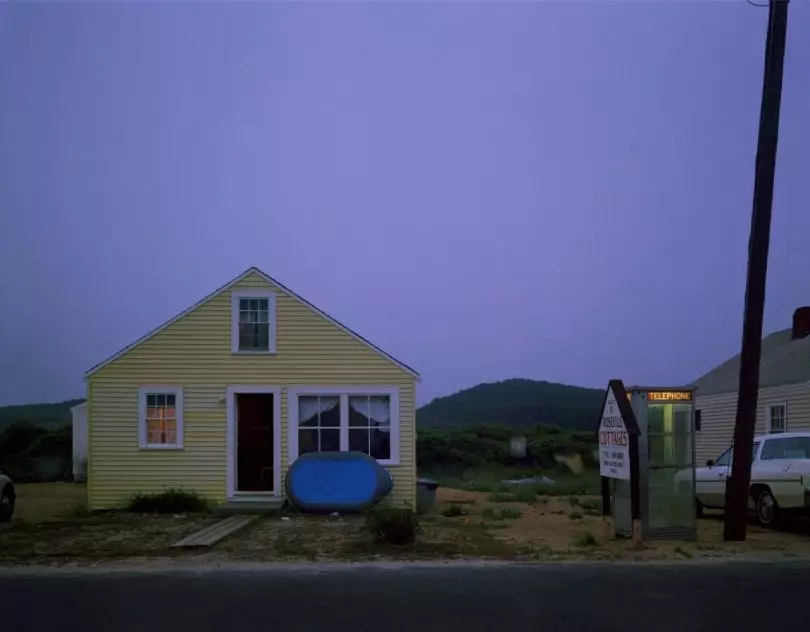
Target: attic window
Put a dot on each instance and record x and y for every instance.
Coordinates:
(253, 322)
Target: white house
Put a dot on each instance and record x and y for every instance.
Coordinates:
(784, 390)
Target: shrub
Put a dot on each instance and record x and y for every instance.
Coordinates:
(169, 501)
(507, 513)
(573, 501)
(393, 525)
(575, 515)
(591, 506)
(452, 511)
(584, 538)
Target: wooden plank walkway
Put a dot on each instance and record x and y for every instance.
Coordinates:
(214, 533)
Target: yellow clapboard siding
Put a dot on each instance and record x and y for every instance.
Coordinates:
(195, 354)
(719, 413)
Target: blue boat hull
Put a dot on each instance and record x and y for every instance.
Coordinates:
(346, 482)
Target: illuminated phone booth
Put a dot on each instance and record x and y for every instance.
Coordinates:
(666, 461)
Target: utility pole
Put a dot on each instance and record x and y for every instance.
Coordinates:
(740, 480)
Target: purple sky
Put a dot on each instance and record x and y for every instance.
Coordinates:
(556, 191)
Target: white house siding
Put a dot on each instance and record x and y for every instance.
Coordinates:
(719, 411)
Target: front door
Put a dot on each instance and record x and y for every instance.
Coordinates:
(254, 442)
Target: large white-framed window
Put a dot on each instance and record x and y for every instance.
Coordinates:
(253, 322)
(331, 419)
(160, 417)
(777, 418)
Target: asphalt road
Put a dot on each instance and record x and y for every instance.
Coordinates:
(491, 598)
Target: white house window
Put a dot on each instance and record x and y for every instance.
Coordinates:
(777, 418)
(160, 413)
(318, 423)
(329, 419)
(253, 322)
(370, 425)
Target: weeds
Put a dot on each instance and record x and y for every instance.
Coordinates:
(573, 501)
(80, 510)
(575, 515)
(507, 513)
(584, 538)
(452, 511)
(522, 494)
(590, 506)
(169, 501)
(392, 525)
(681, 551)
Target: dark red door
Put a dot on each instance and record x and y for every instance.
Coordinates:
(254, 445)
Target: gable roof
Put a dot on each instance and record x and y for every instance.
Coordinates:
(783, 361)
(280, 286)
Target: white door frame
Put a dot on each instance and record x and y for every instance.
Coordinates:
(231, 443)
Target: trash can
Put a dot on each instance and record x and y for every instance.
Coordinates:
(425, 495)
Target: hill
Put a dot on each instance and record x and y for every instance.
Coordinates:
(45, 415)
(518, 403)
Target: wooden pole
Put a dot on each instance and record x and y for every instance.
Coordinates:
(737, 489)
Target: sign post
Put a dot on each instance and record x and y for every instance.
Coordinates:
(618, 453)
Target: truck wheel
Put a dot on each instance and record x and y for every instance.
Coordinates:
(767, 509)
(6, 504)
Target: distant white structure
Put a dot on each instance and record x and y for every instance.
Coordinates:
(517, 447)
(79, 442)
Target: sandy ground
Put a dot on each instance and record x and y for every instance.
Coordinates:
(48, 529)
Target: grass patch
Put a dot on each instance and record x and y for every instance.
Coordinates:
(452, 511)
(591, 506)
(516, 494)
(506, 513)
(584, 538)
(393, 525)
(80, 510)
(575, 515)
(171, 500)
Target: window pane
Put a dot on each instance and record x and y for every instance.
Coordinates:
(308, 410)
(262, 336)
(724, 458)
(261, 305)
(380, 408)
(151, 400)
(380, 444)
(170, 401)
(161, 399)
(358, 440)
(794, 448)
(330, 440)
(244, 304)
(358, 410)
(330, 412)
(307, 441)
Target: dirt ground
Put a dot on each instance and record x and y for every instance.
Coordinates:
(558, 527)
(51, 527)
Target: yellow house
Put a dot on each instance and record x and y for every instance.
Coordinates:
(223, 398)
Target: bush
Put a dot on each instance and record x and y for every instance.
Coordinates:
(575, 515)
(591, 506)
(452, 511)
(584, 538)
(507, 513)
(170, 501)
(392, 525)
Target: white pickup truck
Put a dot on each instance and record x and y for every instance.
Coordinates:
(780, 477)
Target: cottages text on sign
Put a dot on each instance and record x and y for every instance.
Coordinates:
(614, 441)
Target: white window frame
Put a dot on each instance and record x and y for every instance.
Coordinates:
(271, 320)
(783, 406)
(157, 389)
(294, 392)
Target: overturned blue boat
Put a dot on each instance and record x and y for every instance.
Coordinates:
(346, 482)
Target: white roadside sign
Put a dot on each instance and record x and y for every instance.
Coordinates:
(614, 442)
